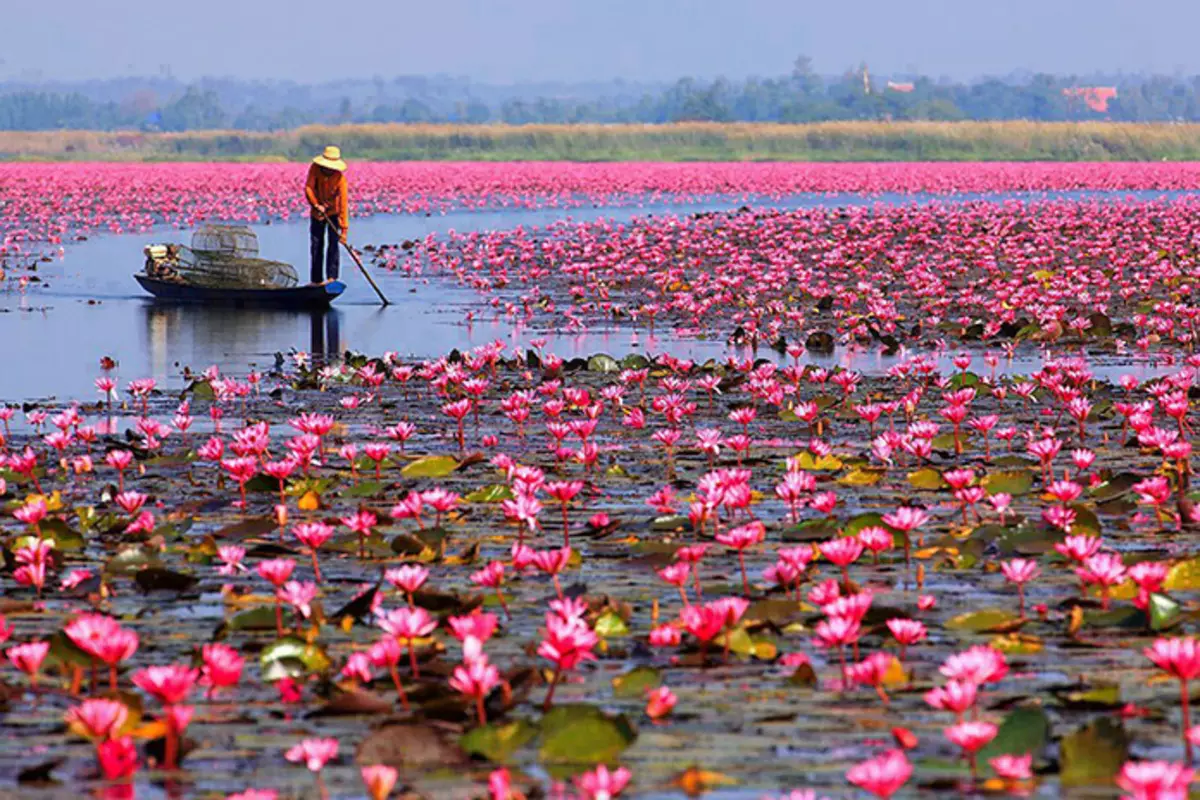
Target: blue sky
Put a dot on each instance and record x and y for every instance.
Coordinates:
(509, 40)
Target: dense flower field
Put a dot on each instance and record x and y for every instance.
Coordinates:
(48, 203)
(500, 574)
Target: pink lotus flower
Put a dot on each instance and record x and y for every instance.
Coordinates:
(1179, 657)
(222, 667)
(313, 753)
(1155, 780)
(883, 775)
(28, 658)
(475, 679)
(101, 718)
(379, 780)
(600, 784)
(1013, 768)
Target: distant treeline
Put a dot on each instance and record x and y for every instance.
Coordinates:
(161, 104)
(695, 141)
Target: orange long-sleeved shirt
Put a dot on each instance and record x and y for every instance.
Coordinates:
(328, 188)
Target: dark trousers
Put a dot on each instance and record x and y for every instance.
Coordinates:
(321, 237)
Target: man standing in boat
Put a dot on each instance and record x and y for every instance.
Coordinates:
(326, 193)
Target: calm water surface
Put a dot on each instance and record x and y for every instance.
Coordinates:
(90, 306)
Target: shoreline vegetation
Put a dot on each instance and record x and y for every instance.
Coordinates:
(687, 141)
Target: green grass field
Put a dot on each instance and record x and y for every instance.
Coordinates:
(830, 141)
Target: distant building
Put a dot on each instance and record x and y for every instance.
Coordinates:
(903, 88)
(1094, 97)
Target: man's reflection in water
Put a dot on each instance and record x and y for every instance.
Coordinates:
(326, 342)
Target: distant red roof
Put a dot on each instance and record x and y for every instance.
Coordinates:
(1094, 97)
(900, 87)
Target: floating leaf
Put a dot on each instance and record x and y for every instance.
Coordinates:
(247, 528)
(254, 619)
(988, 620)
(610, 624)
(497, 742)
(583, 734)
(674, 522)
(1128, 618)
(309, 501)
(1026, 729)
(310, 656)
(363, 489)
(409, 746)
(1164, 612)
(496, 493)
(634, 361)
(811, 463)
(351, 702)
(962, 380)
(1118, 485)
(157, 579)
(636, 682)
(1184, 576)
(603, 363)
(861, 476)
(65, 538)
(1018, 644)
(1015, 482)
(1093, 754)
(1099, 697)
(926, 478)
(858, 522)
(811, 530)
(430, 467)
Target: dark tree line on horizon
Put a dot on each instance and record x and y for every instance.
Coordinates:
(801, 96)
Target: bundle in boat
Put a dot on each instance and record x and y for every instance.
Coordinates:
(221, 256)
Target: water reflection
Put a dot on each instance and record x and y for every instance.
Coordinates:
(233, 338)
(325, 342)
(89, 307)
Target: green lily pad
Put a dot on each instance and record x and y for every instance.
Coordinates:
(811, 463)
(1184, 576)
(1025, 730)
(610, 624)
(926, 478)
(1101, 696)
(496, 493)
(603, 363)
(861, 521)
(811, 530)
(1117, 486)
(498, 742)
(861, 476)
(670, 523)
(1164, 612)
(1014, 482)
(363, 489)
(584, 734)
(1125, 618)
(988, 620)
(430, 467)
(636, 682)
(261, 618)
(963, 380)
(1093, 754)
(310, 656)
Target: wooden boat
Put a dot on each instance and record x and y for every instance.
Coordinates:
(307, 296)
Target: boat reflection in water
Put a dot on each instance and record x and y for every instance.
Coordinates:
(234, 339)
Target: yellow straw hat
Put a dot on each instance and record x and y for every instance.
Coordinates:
(331, 159)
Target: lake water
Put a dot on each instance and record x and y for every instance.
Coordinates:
(90, 306)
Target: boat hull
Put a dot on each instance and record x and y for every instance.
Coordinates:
(309, 296)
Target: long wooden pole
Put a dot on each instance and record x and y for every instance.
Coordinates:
(354, 255)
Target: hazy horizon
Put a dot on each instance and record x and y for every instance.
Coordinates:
(511, 41)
